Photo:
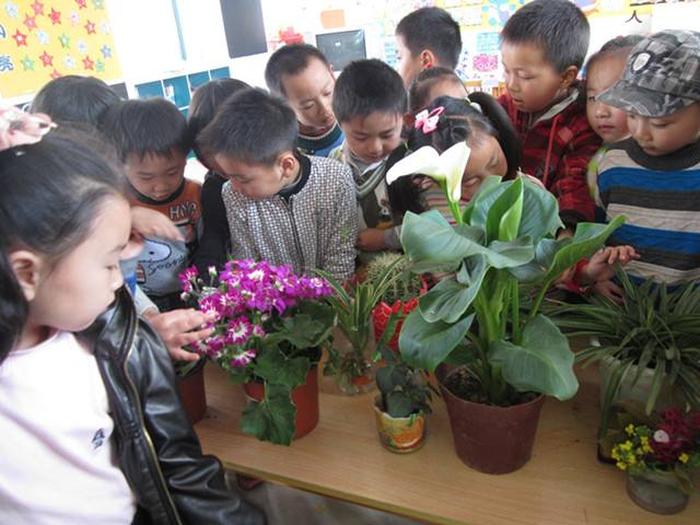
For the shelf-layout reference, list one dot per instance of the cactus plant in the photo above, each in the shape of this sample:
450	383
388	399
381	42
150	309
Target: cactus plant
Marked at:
405	287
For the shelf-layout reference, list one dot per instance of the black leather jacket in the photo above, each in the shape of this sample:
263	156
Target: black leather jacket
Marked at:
156	447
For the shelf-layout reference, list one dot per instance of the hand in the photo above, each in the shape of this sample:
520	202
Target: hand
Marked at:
150	223
371	240
610	290
18	128
179	328
601	266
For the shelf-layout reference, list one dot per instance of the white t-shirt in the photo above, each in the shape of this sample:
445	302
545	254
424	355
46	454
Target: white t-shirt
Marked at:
57	463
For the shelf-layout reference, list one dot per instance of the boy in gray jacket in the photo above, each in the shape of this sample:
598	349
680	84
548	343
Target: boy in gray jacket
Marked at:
281	206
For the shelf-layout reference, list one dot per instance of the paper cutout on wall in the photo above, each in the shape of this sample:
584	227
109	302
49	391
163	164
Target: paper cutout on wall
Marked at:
44	40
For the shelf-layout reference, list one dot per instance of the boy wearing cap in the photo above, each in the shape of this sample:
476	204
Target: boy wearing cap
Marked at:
653	178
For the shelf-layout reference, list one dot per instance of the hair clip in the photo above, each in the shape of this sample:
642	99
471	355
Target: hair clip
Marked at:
18	128
428	121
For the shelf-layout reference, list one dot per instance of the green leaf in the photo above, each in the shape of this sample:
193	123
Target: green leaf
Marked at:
272	419
503	219
509	254
588	238
425	345
543	363
275	367
537	268
398	404
448	299
488	183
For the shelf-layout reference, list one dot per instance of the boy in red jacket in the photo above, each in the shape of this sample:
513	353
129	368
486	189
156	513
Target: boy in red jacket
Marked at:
543	46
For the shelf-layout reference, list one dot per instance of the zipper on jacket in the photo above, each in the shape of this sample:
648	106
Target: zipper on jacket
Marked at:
295	232
151	448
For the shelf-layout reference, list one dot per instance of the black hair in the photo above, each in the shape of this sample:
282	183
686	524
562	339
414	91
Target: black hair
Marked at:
433	29
366	86
457	123
289	60
558	27
252	126
621	45
73	98
424	82
207	100
52	192
146	127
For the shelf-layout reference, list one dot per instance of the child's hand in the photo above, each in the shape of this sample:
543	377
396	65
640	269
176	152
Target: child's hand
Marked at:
601	266
371	240
610	290
179	328
150	223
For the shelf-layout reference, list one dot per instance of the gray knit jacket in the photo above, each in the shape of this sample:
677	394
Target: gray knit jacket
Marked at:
314	227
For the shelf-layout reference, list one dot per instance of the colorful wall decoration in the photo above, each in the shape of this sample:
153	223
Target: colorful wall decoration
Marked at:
40	41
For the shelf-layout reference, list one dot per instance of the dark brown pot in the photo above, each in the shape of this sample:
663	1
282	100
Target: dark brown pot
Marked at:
491	439
304	397
192	393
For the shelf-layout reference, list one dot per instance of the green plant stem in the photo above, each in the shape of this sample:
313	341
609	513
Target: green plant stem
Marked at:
454	206
538	301
515	306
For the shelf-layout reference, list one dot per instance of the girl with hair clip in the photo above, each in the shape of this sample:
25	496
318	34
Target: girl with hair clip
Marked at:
87	390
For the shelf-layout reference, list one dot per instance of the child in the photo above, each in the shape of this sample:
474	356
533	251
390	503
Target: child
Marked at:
428	37
369	103
214	244
301	75
282	207
603	69
653	178
152	140
543	46
86	399
433	83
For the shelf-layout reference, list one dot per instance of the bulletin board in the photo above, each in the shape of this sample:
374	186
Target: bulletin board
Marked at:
40	41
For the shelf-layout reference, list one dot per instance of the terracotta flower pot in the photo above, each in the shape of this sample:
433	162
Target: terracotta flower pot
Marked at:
399	434
192	393
304	397
656	491
491	439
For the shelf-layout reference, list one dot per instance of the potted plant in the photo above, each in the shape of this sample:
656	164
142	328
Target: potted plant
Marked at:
403	401
349	354
658	454
190	384
269	325
501	251
401	296
648	346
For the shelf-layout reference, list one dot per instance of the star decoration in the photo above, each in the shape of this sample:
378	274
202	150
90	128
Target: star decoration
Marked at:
55	74
30	22
27	63
99	66
98	4
43	37
88	63
90	28
82	4
11	9
106	51
46	59
20	38
55	16
64	39
38	8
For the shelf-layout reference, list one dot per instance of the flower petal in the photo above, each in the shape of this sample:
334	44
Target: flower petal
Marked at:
423	161
452	162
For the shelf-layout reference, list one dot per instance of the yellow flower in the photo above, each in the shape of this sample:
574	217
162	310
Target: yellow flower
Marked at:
621	465
683	458
626	446
629	429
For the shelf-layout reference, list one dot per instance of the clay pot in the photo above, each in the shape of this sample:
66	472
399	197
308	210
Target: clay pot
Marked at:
399	434
191	388
304	397
491	439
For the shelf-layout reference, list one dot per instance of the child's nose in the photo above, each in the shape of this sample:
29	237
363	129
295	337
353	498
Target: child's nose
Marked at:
601	110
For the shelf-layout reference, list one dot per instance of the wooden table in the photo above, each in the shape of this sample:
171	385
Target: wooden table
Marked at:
562	484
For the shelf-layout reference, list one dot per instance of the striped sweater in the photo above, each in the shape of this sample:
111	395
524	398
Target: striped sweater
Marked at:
660	197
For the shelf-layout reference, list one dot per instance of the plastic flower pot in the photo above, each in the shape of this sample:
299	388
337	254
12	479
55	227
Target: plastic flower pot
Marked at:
491	439
399	434
656	491
304	397
192	393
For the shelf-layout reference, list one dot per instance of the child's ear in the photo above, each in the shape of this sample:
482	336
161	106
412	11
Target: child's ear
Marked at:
569	76
427	59
26	266
289	165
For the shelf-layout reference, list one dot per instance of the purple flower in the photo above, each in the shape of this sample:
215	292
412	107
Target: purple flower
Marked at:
188	278
239	330
243	358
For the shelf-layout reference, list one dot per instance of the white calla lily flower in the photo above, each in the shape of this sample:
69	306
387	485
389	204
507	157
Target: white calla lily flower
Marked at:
447	168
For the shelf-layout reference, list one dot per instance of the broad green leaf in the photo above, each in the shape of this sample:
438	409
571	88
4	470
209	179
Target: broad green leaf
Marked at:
398	404
425	345
542	363
503	218
272	419
588	238
488	183
276	368
538	266
447	301
509	254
